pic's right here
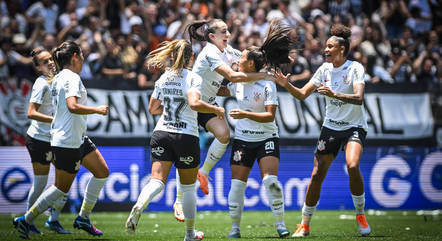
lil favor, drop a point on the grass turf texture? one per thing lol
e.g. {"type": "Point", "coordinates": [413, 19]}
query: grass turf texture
{"type": "Point", "coordinates": [256, 225]}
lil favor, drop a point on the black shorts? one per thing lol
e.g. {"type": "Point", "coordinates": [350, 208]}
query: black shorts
{"type": "Point", "coordinates": [40, 151]}
{"type": "Point", "coordinates": [69, 159]}
{"type": "Point", "coordinates": [203, 118]}
{"type": "Point", "coordinates": [245, 153]}
{"type": "Point", "coordinates": [181, 149]}
{"type": "Point", "coordinates": [330, 141]}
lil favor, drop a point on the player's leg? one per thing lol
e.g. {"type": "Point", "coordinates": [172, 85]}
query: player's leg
{"type": "Point", "coordinates": [320, 168]}
{"type": "Point", "coordinates": [95, 163]}
{"type": "Point", "coordinates": [41, 157]}
{"type": "Point", "coordinates": [269, 173]}
{"type": "Point", "coordinates": [326, 151]}
{"type": "Point", "coordinates": [241, 162]}
{"type": "Point", "coordinates": [353, 152]}
{"type": "Point", "coordinates": [160, 172]}
{"type": "Point", "coordinates": [220, 130]}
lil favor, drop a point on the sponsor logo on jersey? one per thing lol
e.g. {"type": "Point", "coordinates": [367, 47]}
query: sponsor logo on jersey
{"type": "Point", "coordinates": [339, 123]}
{"type": "Point", "coordinates": [337, 103]}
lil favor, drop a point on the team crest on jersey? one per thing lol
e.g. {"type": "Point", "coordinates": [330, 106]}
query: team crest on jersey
{"type": "Point", "coordinates": [256, 96]}
{"type": "Point", "coordinates": [14, 98]}
{"type": "Point", "coordinates": [321, 145]}
{"type": "Point", "coordinates": [237, 156]}
{"type": "Point", "coordinates": [187, 159]}
{"type": "Point", "coordinates": [345, 79]}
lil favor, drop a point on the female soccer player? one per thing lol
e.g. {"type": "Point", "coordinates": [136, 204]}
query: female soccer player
{"type": "Point", "coordinates": [345, 125]}
{"type": "Point", "coordinates": [213, 65]}
{"type": "Point", "coordinates": [175, 139]}
{"type": "Point", "coordinates": [38, 137]}
{"type": "Point", "coordinates": [256, 137]}
{"type": "Point", "coordinates": [69, 144]}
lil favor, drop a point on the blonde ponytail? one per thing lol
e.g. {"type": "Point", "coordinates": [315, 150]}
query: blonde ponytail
{"type": "Point", "coordinates": [179, 50]}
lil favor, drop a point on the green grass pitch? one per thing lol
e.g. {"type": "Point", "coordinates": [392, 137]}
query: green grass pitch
{"type": "Point", "coordinates": [256, 225]}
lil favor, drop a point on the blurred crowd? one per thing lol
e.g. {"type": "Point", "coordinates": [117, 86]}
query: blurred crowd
{"type": "Point", "coordinates": [398, 41]}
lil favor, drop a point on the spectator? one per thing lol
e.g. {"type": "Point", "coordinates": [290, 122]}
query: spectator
{"type": "Point", "coordinates": [399, 65]}
{"type": "Point", "coordinates": [257, 24]}
{"type": "Point", "coordinates": [45, 12]}
{"type": "Point", "coordinates": [394, 13]}
{"type": "Point", "coordinates": [112, 68]}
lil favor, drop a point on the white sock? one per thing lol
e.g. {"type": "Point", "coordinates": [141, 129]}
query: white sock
{"type": "Point", "coordinates": [179, 191]}
{"type": "Point", "coordinates": [46, 199]}
{"type": "Point", "coordinates": [37, 188]}
{"type": "Point", "coordinates": [149, 191]}
{"type": "Point", "coordinates": [215, 152]}
{"type": "Point", "coordinates": [359, 202]}
{"type": "Point", "coordinates": [57, 207]}
{"type": "Point", "coordinates": [189, 207]}
{"type": "Point", "coordinates": [236, 201]}
{"type": "Point", "coordinates": [91, 195]}
{"type": "Point", "coordinates": [307, 213]}
{"type": "Point", "coordinates": [274, 195]}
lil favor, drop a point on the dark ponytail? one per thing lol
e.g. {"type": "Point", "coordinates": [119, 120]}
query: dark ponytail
{"type": "Point", "coordinates": [342, 34]}
{"type": "Point", "coordinates": [278, 44]}
{"type": "Point", "coordinates": [62, 54]}
{"type": "Point", "coordinates": [206, 28]}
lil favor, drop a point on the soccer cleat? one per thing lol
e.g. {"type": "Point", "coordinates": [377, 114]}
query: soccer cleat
{"type": "Point", "coordinates": [283, 232]}
{"type": "Point", "coordinates": [204, 182]}
{"type": "Point", "coordinates": [132, 220]}
{"type": "Point", "coordinates": [178, 211]}
{"type": "Point", "coordinates": [56, 227]}
{"type": "Point", "coordinates": [34, 230]}
{"type": "Point", "coordinates": [198, 235]}
{"type": "Point", "coordinates": [22, 227]}
{"type": "Point", "coordinates": [235, 233]}
{"type": "Point", "coordinates": [364, 228]}
{"type": "Point", "coordinates": [85, 224]}
{"type": "Point", "coordinates": [302, 231]}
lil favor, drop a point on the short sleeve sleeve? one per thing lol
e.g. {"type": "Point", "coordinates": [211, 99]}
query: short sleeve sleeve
{"type": "Point", "coordinates": [232, 88]}
{"type": "Point", "coordinates": [317, 77]}
{"type": "Point", "coordinates": [38, 91]}
{"type": "Point", "coordinates": [157, 94]}
{"type": "Point", "coordinates": [270, 94]}
{"type": "Point", "coordinates": [73, 86]}
{"type": "Point", "coordinates": [195, 83]}
{"type": "Point", "coordinates": [358, 74]}
{"type": "Point", "coordinates": [214, 60]}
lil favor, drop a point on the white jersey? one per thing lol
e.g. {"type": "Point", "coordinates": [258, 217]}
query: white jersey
{"type": "Point", "coordinates": [253, 97]}
{"type": "Point", "coordinates": [340, 115]}
{"type": "Point", "coordinates": [68, 129]}
{"type": "Point", "coordinates": [41, 95]}
{"type": "Point", "coordinates": [207, 61]}
{"type": "Point", "coordinates": [172, 88]}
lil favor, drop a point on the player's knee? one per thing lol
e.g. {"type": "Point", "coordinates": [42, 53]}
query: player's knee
{"type": "Point", "coordinates": [317, 177]}
{"type": "Point", "coordinates": [102, 173]}
{"type": "Point", "coordinates": [224, 137]}
{"type": "Point", "coordinates": [352, 167]}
